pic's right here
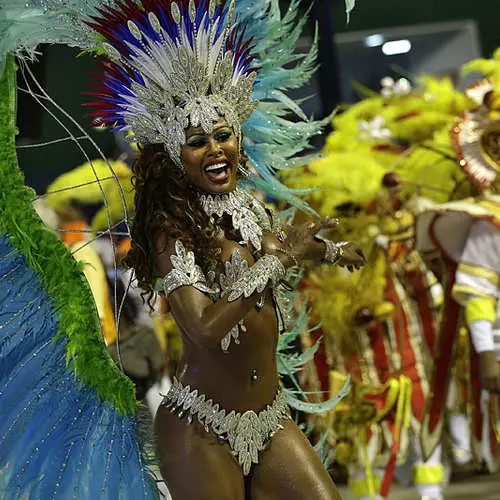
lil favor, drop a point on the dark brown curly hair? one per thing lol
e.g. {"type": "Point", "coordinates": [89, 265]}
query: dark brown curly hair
{"type": "Point", "coordinates": [164, 202]}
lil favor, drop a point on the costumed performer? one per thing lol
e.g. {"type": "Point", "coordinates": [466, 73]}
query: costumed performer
{"type": "Point", "coordinates": [393, 307]}
{"type": "Point", "coordinates": [376, 333]}
{"type": "Point", "coordinates": [201, 238]}
{"type": "Point", "coordinates": [466, 235]}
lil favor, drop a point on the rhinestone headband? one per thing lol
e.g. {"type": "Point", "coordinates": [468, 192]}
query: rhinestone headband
{"type": "Point", "coordinates": [170, 65]}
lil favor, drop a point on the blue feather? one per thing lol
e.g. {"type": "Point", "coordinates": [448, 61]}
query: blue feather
{"type": "Point", "coordinates": [57, 438]}
{"type": "Point", "coordinates": [271, 140]}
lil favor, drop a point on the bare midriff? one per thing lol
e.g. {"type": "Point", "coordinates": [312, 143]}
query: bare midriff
{"type": "Point", "coordinates": [245, 377]}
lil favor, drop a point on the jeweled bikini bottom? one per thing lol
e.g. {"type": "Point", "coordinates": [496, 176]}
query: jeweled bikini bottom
{"type": "Point", "coordinates": [247, 433]}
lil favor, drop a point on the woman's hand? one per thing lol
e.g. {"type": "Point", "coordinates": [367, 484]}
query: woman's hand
{"type": "Point", "coordinates": [352, 257]}
{"type": "Point", "coordinates": [270, 243]}
{"type": "Point", "coordinates": [300, 239]}
{"type": "Point", "coordinates": [274, 246]}
{"type": "Point", "coordinates": [300, 244]}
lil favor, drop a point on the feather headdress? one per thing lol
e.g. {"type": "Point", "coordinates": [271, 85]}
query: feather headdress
{"type": "Point", "coordinates": [476, 135]}
{"type": "Point", "coordinates": [171, 65]}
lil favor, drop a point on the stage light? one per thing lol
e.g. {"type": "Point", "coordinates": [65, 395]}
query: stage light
{"type": "Point", "coordinates": [396, 47]}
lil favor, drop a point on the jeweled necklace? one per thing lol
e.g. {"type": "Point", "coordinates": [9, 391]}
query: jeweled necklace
{"type": "Point", "coordinates": [248, 216]}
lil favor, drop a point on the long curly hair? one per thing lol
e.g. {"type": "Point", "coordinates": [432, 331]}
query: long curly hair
{"type": "Point", "coordinates": [164, 202]}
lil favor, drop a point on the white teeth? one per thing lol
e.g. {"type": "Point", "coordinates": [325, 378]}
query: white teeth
{"type": "Point", "coordinates": [217, 166]}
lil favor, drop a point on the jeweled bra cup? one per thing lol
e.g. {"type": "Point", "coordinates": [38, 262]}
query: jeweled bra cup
{"type": "Point", "coordinates": [247, 433]}
{"type": "Point", "coordinates": [239, 280]}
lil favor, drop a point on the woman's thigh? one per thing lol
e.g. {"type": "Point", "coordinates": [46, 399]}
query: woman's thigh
{"type": "Point", "coordinates": [290, 469]}
{"type": "Point", "coordinates": [195, 464]}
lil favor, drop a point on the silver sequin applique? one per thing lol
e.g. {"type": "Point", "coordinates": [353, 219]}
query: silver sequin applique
{"type": "Point", "coordinates": [247, 433]}
{"type": "Point", "coordinates": [239, 279]}
{"type": "Point", "coordinates": [235, 269]}
{"type": "Point", "coordinates": [185, 272]}
{"type": "Point", "coordinates": [247, 214]}
{"type": "Point", "coordinates": [267, 270]}
{"type": "Point", "coordinates": [334, 251]}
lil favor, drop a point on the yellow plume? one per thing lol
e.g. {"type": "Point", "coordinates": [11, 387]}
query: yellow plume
{"type": "Point", "coordinates": [338, 296]}
{"type": "Point", "coordinates": [84, 188]}
{"type": "Point", "coordinates": [431, 169]}
{"type": "Point", "coordinates": [488, 67]}
{"type": "Point", "coordinates": [342, 177]}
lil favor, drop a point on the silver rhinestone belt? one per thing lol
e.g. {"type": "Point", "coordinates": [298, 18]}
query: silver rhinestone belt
{"type": "Point", "coordinates": [247, 433]}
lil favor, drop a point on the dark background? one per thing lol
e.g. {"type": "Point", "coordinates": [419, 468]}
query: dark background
{"type": "Point", "coordinates": [370, 14]}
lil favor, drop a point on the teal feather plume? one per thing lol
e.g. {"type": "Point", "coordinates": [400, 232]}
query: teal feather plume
{"type": "Point", "coordinates": [25, 24]}
{"type": "Point", "coordinates": [290, 362]}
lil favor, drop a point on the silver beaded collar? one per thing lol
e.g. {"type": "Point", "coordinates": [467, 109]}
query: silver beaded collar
{"type": "Point", "coordinates": [248, 215]}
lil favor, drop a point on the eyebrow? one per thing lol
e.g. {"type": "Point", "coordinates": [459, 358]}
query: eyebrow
{"type": "Point", "coordinates": [200, 131]}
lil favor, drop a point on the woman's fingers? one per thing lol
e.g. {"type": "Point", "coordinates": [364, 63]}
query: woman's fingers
{"type": "Point", "coordinates": [353, 258]}
{"type": "Point", "coordinates": [330, 223]}
{"type": "Point", "coordinates": [317, 225]}
{"type": "Point", "coordinates": [360, 253]}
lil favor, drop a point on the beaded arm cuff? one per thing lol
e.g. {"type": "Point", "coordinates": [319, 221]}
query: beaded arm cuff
{"type": "Point", "coordinates": [334, 251]}
{"type": "Point", "coordinates": [185, 272]}
{"type": "Point", "coordinates": [254, 279]}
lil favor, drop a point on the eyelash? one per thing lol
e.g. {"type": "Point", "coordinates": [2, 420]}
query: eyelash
{"type": "Point", "coordinates": [221, 137]}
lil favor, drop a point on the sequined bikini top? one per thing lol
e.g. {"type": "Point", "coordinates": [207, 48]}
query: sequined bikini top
{"type": "Point", "coordinates": [251, 219]}
{"type": "Point", "coordinates": [186, 272]}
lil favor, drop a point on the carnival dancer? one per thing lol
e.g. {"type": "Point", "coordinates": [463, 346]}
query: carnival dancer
{"type": "Point", "coordinates": [466, 235]}
{"type": "Point", "coordinates": [380, 334]}
{"type": "Point", "coordinates": [180, 76]}
{"type": "Point", "coordinates": [220, 258]}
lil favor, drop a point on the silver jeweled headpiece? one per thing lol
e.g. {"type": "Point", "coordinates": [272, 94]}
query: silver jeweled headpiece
{"type": "Point", "coordinates": [171, 65]}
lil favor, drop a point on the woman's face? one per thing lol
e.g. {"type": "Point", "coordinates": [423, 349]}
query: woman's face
{"type": "Point", "coordinates": [211, 160]}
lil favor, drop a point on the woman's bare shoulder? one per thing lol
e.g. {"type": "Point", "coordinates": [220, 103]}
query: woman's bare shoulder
{"type": "Point", "coordinates": [163, 248]}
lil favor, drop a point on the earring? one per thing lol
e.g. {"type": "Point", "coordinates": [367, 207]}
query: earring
{"type": "Point", "coordinates": [242, 169]}
{"type": "Point", "coordinates": [242, 166]}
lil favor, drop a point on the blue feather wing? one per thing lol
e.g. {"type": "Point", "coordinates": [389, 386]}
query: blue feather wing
{"type": "Point", "coordinates": [58, 439]}
{"type": "Point", "coordinates": [67, 426]}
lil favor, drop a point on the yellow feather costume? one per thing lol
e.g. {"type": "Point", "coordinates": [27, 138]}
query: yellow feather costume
{"type": "Point", "coordinates": [117, 191]}
{"type": "Point", "coordinates": [410, 137]}
{"type": "Point", "coordinates": [84, 188]}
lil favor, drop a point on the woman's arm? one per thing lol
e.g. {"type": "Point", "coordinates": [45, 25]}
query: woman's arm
{"type": "Point", "coordinates": [315, 251]}
{"type": "Point", "coordinates": [204, 321]}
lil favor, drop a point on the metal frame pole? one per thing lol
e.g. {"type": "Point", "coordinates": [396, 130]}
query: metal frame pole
{"type": "Point", "coordinates": [328, 74]}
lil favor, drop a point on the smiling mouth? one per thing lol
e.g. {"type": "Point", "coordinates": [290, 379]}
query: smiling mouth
{"type": "Point", "coordinates": [218, 173]}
